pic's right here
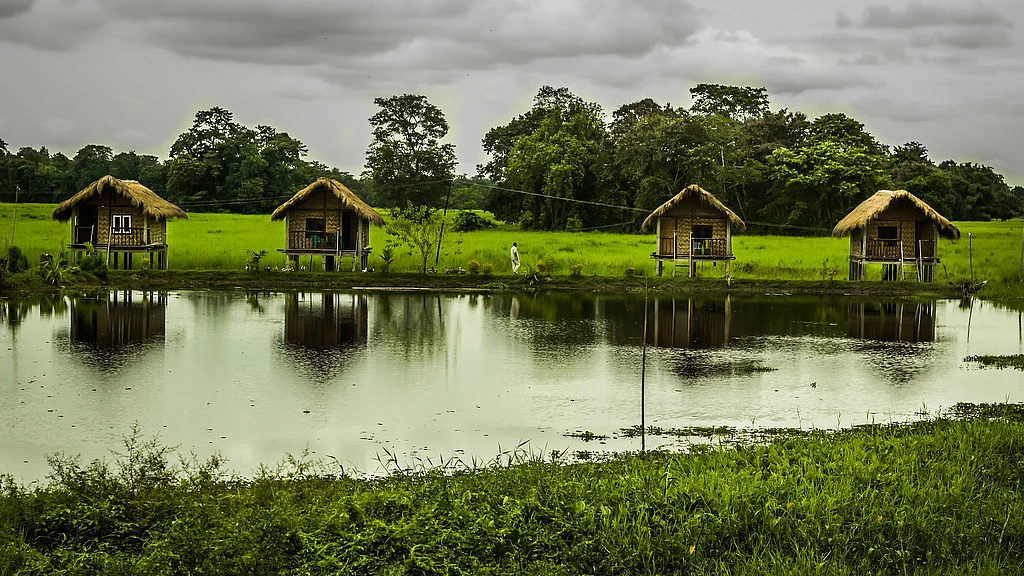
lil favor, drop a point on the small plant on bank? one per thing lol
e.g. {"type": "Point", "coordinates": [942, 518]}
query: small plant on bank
{"type": "Point", "coordinates": [387, 258]}
{"type": "Point", "coordinates": [487, 269]}
{"type": "Point", "coordinates": [253, 262]}
{"type": "Point", "coordinates": [92, 262]}
{"type": "Point", "coordinates": [630, 272]}
{"type": "Point", "coordinates": [56, 269]}
{"type": "Point", "coordinates": [473, 266]}
{"type": "Point", "coordinates": [576, 270]}
{"type": "Point", "coordinates": [542, 268]}
{"type": "Point", "coordinates": [16, 260]}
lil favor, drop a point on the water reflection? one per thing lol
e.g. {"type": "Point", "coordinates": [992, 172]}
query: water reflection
{"type": "Point", "coordinates": [691, 323]}
{"type": "Point", "coordinates": [893, 321]}
{"type": "Point", "coordinates": [108, 330]}
{"type": "Point", "coordinates": [321, 330]}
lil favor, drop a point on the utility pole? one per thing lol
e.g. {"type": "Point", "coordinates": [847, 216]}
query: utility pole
{"type": "Point", "coordinates": [444, 217]}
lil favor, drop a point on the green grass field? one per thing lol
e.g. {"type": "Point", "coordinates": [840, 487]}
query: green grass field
{"type": "Point", "coordinates": [220, 241]}
{"type": "Point", "coordinates": [934, 497]}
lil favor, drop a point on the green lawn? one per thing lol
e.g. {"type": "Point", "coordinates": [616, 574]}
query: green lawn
{"type": "Point", "coordinates": [220, 241]}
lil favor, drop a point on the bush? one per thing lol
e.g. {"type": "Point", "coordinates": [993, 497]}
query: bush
{"type": "Point", "coordinates": [16, 260]}
{"type": "Point", "coordinates": [252, 264]}
{"type": "Point", "coordinates": [487, 269]}
{"type": "Point", "coordinates": [542, 268]}
{"type": "Point", "coordinates": [630, 272]}
{"type": "Point", "coordinates": [574, 224]}
{"type": "Point", "coordinates": [92, 262]}
{"type": "Point", "coordinates": [387, 258]}
{"type": "Point", "coordinates": [576, 270]}
{"type": "Point", "coordinates": [468, 221]}
{"type": "Point", "coordinates": [473, 266]}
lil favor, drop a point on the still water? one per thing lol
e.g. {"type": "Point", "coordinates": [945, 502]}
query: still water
{"type": "Point", "coordinates": [355, 376]}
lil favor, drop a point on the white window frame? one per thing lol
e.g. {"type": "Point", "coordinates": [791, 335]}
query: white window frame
{"type": "Point", "coordinates": [121, 224]}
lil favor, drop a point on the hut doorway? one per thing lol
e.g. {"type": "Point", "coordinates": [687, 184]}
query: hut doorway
{"type": "Point", "coordinates": [349, 227]}
{"type": "Point", "coordinates": [85, 228]}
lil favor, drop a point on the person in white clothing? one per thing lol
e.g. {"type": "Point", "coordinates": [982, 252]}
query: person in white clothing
{"type": "Point", "coordinates": [515, 259]}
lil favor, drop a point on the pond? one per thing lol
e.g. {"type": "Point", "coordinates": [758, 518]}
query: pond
{"type": "Point", "coordinates": [361, 378]}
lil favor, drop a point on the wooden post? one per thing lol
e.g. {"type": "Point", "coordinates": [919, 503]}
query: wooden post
{"type": "Point", "coordinates": [691, 254]}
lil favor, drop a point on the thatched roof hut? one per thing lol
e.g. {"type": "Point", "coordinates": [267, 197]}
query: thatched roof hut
{"type": "Point", "coordinates": [346, 197]}
{"type": "Point", "coordinates": [693, 192]}
{"type": "Point", "coordinates": [135, 193]}
{"type": "Point", "coordinates": [881, 201]}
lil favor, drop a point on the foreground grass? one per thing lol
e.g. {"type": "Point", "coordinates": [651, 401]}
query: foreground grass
{"type": "Point", "coordinates": [220, 242]}
{"type": "Point", "coordinates": [936, 497]}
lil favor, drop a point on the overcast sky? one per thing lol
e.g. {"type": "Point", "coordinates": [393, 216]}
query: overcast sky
{"type": "Point", "coordinates": [131, 74]}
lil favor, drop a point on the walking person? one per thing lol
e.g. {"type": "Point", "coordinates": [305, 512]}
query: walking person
{"type": "Point", "coordinates": [515, 258]}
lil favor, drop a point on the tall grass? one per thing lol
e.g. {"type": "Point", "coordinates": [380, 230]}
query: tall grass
{"type": "Point", "coordinates": [935, 497]}
{"type": "Point", "coordinates": [220, 241]}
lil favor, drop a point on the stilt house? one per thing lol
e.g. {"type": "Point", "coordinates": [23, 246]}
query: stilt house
{"type": "Point", "coordinates": [327, 219]}
{"type": "Point", "coordinates": [896, 229]}
{"type": "Point", "coordinates": [693, 227]}
{"type": "Point", "coordinates": [119, 217]}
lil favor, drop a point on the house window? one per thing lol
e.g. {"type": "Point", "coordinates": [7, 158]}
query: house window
{"type": "Point", "coordinates": [315, 227]}
{"type": "Point", "coordinates": [888, 233]}
{"type": "Point", "coordinates": [121, 224]}
{"type": "Point", "coordinates": [703, 231]}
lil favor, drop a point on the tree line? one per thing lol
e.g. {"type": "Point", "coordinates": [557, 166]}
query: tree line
{"type": "Point", "coordinates": [561, 165]}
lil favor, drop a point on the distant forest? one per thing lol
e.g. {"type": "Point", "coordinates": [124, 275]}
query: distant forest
{"type": "Point", "coordinates": [562, 165]}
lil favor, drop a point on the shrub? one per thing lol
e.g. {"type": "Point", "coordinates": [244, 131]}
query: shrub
{"type": "Point", "coordinates": [387, 258]}
{"type": "Point", "coordinates": [16, 260]}
{"type": "Point", "coordinates": [630, 272]}
{"type": "Point", "coordinates": [573, 224]}
{"type": "Point", "coordinates": [253, 263]}
{"type": "Point", "coordinates": [542, 268]}
{"type": "Point", "coordinates": [468, 221]}
{"type": "Point", "coordinates": [92, 262]}
{"type": "Point", "coordinates": [487, 268]}
{"type": "Point", "coordinates": [576, 270]}
{"type": "Point", "coordinates": [473, 266]}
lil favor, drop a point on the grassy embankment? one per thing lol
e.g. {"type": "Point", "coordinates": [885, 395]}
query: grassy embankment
{"type": "Point", "coordinates": [935, 497]}
{"type": "Point", "coordinates": [218, 242]}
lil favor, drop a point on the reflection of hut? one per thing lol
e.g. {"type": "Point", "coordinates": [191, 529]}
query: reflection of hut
{"type": "Point", "coordinates": [327, 321]}
{"type": "Point", "coordinates": [118, 320]}
{"type": "Point", "coordinates": [691, 324]}
{"type": "Point", "coordinates": [327, 219]}
{"type": "Point", "coordinates": [119, 216]}
{"type": "Point", "coordinates": [693, 227]}
{"type": "Point", "coordinates": [893, 321]}
{"type": "Point", "coordinates": [894, 229]}
{"type": "Point", "coordinates": [117, 328]}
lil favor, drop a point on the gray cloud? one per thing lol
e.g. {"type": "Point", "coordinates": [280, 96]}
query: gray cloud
{"type": "Point", "coordinates": [436, 41]}
{"type": "Point", "coordinates": [10, 8]}
{"type": "Point", "coordinates": [920, 15]}
{"type": "Point", "coordinates": [58, 25]}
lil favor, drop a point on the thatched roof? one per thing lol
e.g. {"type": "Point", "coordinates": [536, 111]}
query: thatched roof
{"type": "Point", "coordinates": [695, 192]}
{"type": "Point", "coordinates": [871, 208]}
{"type": "Point", "coordinates": [130, 190]}
{"type": "Point", "coordinates": [346, 196]}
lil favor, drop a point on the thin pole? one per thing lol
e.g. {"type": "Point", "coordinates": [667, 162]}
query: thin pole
{"type": "Point", "coordinates": [444, 217]}
{"type": "Point", "coordinates": [643, 377]}
{"type": "Point", "coordinates": [13, 222]}
{"type": "Point", "coordinates": [1020, 267]}
{"type": "Point", "coordinates": [970, 252]}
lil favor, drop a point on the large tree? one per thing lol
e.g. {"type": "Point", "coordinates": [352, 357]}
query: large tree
{"type": "Point", "coordinates": [406, 159]}
{"type": "Point", "coordinates": [549, 157]}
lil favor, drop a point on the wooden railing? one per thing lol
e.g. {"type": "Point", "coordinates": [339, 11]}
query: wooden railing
{"type": "Point", "coordinates": [118, 237]}
{"type": "Point", "coordinates": [84, 234]}
{"type": "Point", "coordinates": [129, 237]}
{"type": "Point", "coordinates": [312, 240]}
{"type": "Point", "coordinates": [709, 247]}
{"type": "Point", "coordinates": [891, 250]}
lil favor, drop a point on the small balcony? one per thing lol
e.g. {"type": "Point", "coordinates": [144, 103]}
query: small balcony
{"type": "Point", "coordinates": [710, 248]}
